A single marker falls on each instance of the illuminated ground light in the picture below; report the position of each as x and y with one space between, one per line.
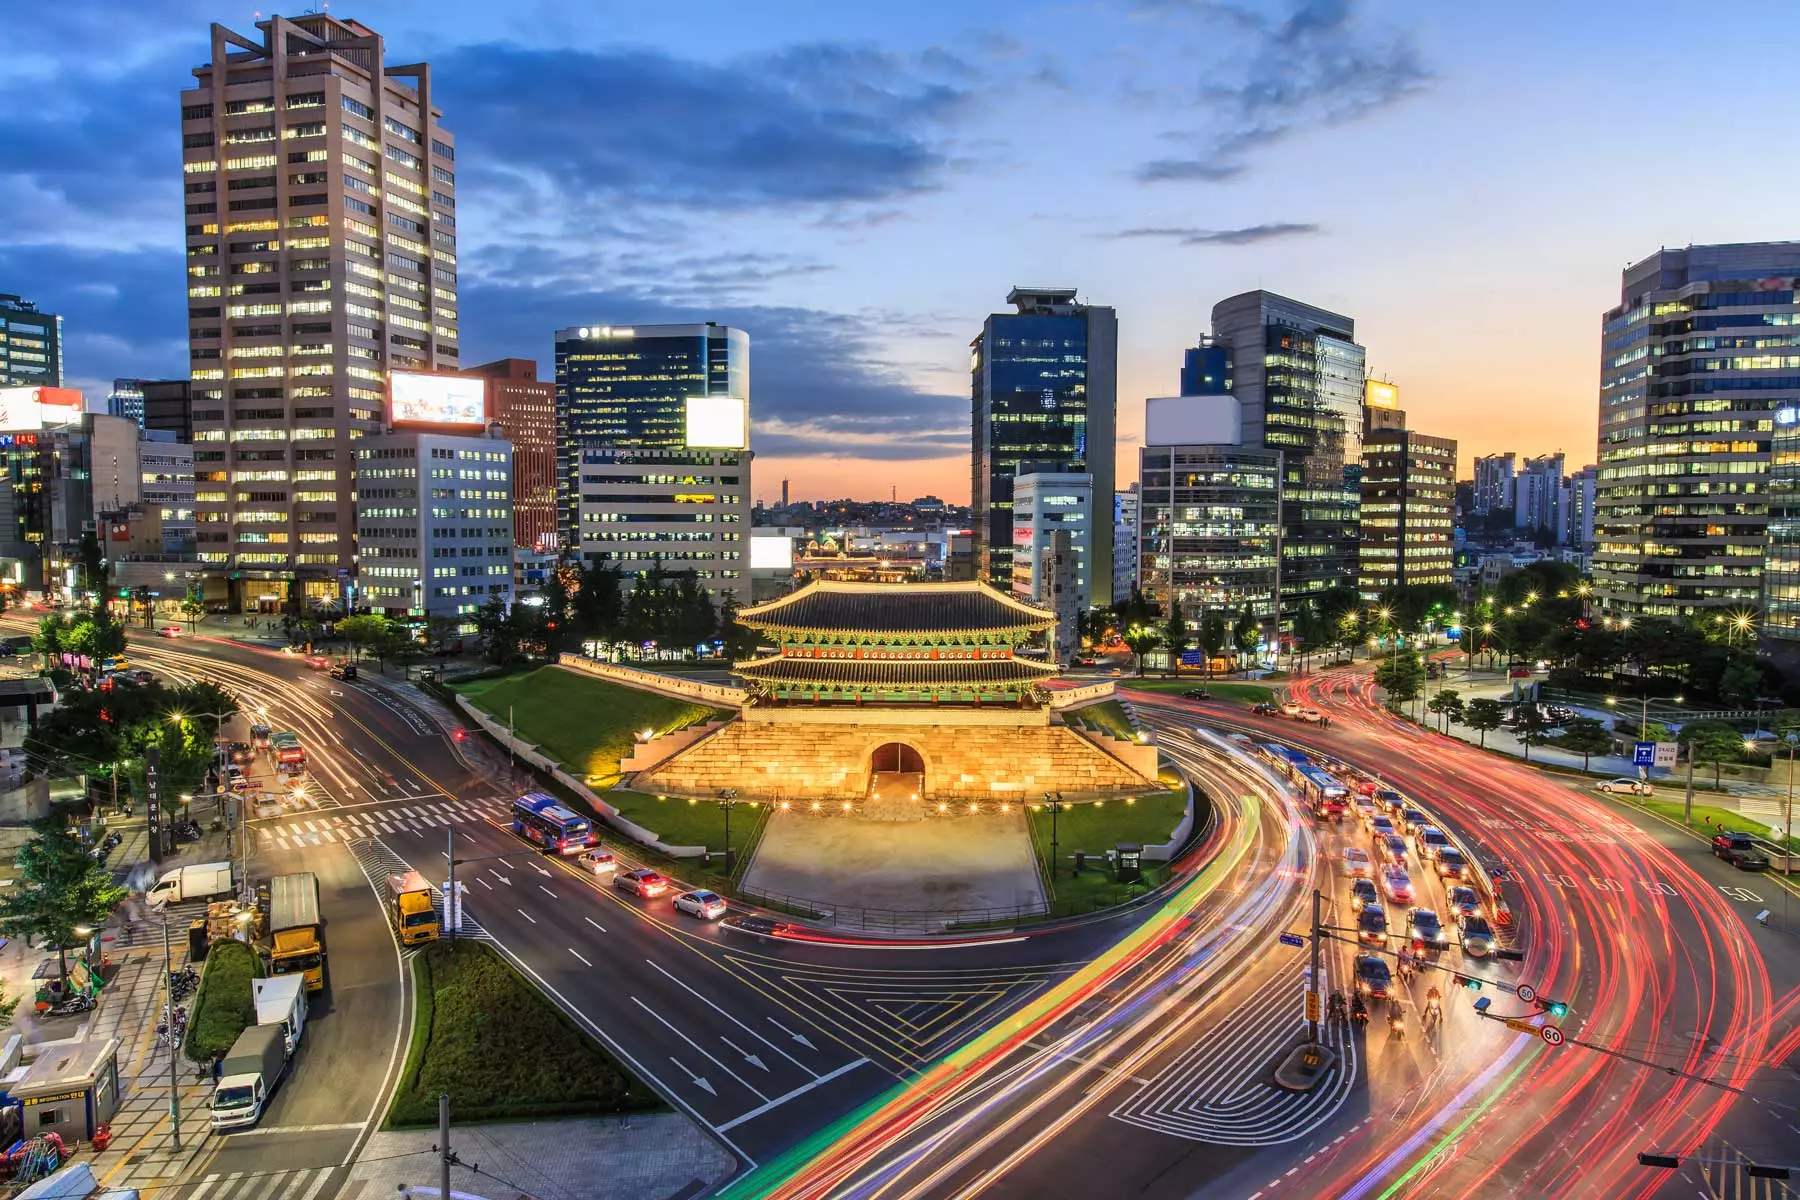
846 806
974 807
1006 808
786 804
1131 799
817 806
942 807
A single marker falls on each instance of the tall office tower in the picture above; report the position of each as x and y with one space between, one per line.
321 242
1778 637
30 344
1494 483
168 406
126 400
1046 504
1694 365
1298 375
1209 512
1206 369
1125 539
167 489
1044 395
1381 408
1408 510
525 409
1537 496
1578 508
628 386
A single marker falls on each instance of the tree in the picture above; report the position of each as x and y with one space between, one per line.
362 633
193 608
1715 742
740 639
60 888
1483 714
48 638
1311 631
1215 635
1587 737
1401 675
1530 727
1141 641
1246 635
1739 684
1448 705
1175 637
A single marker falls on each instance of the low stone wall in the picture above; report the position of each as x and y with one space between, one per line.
645 755
1087 694
716 694
849 714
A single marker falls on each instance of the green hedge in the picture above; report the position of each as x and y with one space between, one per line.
224 1006
500 1048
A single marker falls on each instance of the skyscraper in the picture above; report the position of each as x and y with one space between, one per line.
525 409
1298 375
1408 506
321 244
30 344
627 387
1696 363
1044 394
1494 483
1538 497
126 400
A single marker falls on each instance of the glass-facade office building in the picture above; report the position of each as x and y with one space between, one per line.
1209 529
627 386
30 345
1697 360
1297 373
1044 394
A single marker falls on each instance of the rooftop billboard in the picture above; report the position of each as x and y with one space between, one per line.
416 399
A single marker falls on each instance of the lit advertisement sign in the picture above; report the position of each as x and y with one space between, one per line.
718 423
1787 416
415 399
771 553
34 408
1377 394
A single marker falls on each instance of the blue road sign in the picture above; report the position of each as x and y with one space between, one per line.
1643 754
1292 939
1193 658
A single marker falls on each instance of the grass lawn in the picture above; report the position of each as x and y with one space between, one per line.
1095 829
1108 714
586 724
1728 818
679 823
1249 693
223 1007
500 1048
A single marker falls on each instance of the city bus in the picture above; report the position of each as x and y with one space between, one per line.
539 819
1323 794
1286 758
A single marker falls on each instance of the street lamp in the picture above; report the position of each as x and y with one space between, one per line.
1053 802
1787 817
727 798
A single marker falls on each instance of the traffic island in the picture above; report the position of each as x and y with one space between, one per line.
1305 1066
223 1007
500 1049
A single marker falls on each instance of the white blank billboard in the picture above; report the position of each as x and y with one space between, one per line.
718 423
771 552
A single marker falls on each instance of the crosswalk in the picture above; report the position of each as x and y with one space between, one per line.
378 862
352 825
304 1184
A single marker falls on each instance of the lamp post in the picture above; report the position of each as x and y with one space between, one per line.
727 798
1053 801
1787 816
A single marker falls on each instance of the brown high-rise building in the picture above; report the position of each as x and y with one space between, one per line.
1408 509
321 241
526 411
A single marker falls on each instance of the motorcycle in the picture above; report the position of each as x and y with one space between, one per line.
1359 1012
183 982
77 1002
1336 1011
1396 1022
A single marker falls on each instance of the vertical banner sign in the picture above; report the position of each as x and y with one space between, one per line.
153 799
453 906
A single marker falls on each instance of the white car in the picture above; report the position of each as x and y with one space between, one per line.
598 861
1289 708
1626 786
708 906
1356 862
1311 716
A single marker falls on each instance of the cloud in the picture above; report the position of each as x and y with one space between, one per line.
1313 64
809 125
1246 236
124 311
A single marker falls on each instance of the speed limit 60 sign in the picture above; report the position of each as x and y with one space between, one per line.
1551 1034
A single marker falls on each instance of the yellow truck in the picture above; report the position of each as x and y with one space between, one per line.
296 931
411 909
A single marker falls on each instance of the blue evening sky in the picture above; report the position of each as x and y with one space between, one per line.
858 184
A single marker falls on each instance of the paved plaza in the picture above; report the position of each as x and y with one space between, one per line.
943 864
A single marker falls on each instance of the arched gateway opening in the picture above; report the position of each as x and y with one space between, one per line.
896 782
897 757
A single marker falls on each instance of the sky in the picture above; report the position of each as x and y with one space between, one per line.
859 185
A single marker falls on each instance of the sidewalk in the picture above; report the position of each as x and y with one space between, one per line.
599 1158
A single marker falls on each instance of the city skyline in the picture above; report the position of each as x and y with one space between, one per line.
861 211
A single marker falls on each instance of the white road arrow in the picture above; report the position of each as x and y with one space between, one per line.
792 1034
544 871
749 1058
500 877
698 1082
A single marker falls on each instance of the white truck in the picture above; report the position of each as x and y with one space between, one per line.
201 881
252 1067
282 1001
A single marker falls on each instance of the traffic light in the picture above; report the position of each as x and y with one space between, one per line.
1556 1008
459 735
124 593
1474 985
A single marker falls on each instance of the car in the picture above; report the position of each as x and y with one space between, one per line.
1738 850
1289 708
1362 891
140 675
708 906
241 783
1087 660
1373 979
238 752
1424 928
1196 694
1381 825
1390 801
1371 925
1356 862
643 882
1432 841
1311 716
1397 884
115 663
598 861
1519 673
1477 937
1625 786
1365 807
343 670
169 631
1412 820
1265 709
1394 847
259 736
1451 864
318 662
1464 903
267 805
767 926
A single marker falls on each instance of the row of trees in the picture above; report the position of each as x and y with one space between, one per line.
96 732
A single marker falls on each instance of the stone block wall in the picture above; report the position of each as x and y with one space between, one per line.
802 761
